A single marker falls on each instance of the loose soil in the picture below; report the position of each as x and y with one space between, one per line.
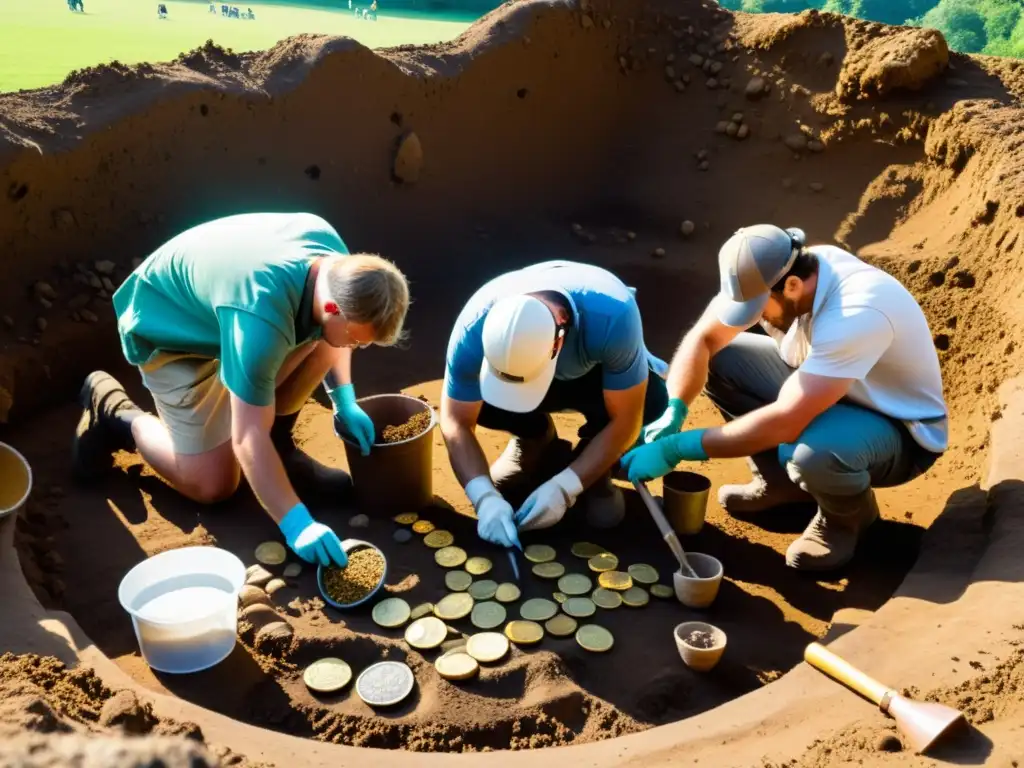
545 132
363 573
700 639
414 427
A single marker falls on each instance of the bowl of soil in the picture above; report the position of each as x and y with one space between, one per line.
348 587
396 475
700 645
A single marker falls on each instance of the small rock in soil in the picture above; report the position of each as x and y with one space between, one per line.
607 23
45 291
402 535
274 585
738 117
722 127
631 236
124 710
732 129
712 84
408 160
755 88
670 72
89 316
697 60
817 186
252 595
359 521
796 142
45 303
108 284
687 228
679 86
95 282
63 219
105 267
743 132
257 575
716 67
658 253
815 146
586 22
292 570
704 165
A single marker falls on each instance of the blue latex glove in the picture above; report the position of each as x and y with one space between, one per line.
658 459
353 418
669 423
312 541
493 513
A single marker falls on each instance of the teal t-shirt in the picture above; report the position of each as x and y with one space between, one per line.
230 289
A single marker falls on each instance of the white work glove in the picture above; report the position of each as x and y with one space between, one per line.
493 513
547 505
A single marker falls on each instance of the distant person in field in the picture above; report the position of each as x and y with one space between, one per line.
233 325
843 394
555 336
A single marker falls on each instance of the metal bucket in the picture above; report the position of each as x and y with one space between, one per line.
394 477
685 501
15 480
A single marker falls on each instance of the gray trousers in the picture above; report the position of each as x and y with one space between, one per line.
843 453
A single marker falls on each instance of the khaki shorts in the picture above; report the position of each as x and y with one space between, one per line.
191 400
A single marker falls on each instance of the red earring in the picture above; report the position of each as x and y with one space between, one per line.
331 308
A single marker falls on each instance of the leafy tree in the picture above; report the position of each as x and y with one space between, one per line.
960 22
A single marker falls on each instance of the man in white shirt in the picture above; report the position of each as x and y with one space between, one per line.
843 394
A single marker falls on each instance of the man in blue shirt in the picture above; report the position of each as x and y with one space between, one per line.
554 336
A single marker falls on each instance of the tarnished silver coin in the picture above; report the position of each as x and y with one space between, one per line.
385 683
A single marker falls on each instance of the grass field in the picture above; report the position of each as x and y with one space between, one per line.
41 40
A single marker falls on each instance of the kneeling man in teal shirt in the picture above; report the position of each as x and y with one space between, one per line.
233 325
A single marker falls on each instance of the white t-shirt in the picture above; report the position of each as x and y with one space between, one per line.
865 325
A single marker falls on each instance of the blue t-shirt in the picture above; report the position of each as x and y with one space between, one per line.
606 329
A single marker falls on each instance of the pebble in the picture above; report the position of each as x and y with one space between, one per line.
670 72
738 117
402 535
796 142
108 284
95 282
732 129
274 585
817 186
631 236
292 570
252 595
712 84
687 228
722 127
607 23
46 303
755 88
359 521
697 60
105 267
586 21
63 218
743 132
408 160
704 165
257 575
680 85
45 291
89 316
658 253
815 146
715 67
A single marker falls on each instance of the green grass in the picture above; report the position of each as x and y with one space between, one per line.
41 40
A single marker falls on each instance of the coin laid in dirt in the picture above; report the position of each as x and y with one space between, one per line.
423 526
592 637
274 585
538 609
575 584
391 612
457 581
271 553
579 607
524 632
457 605
606 598
615 580
385 683
636 597
539 553
484 589
421 610
507 593
428 632
560 597
586 550
438 539
643 573
487 647
488 615
478 566
450 557
549 570
406 518
327 675
561 625
456 666
662 590
292 570
250 595
604 562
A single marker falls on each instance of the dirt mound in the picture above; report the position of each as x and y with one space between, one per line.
634 135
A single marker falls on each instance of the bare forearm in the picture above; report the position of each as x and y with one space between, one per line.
341 369
604 450
465 453
750 434
688 372
262 466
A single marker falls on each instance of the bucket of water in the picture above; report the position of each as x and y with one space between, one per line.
15 480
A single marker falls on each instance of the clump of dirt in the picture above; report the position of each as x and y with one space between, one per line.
698 638
907 60
359 578
414 426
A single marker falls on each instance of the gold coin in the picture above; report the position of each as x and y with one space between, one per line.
428 632
478 566
615 580
560 597
457 605
450 557
456 666
488 615
484 589
539 553
662 590
271 553
538 609
392 612
586 550
561 625
327 675
457 581
423 526
421 610
487 647
524 632
643 573
507 593
591 637
406 518
606 598
602 563
437 539
549 570
575 584
635 597
579 607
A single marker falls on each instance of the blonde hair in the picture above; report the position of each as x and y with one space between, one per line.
369 289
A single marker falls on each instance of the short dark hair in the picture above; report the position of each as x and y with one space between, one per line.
805 265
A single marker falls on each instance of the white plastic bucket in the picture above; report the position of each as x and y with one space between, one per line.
15 480
184 607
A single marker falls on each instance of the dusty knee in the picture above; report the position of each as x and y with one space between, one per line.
215 484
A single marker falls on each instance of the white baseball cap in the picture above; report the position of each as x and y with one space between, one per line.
750 263
519 338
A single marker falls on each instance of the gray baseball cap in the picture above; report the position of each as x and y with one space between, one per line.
750 263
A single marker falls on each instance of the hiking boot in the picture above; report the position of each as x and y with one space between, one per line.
100 431
831 538
604 503
307 474
769 487
522 458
